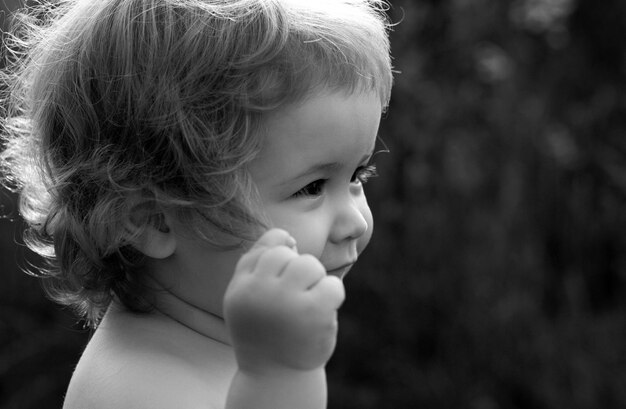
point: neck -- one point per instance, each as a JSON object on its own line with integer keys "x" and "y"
{"x": 202, "y": 321}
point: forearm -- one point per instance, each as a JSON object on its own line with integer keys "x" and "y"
{"x": 281, "y": 389}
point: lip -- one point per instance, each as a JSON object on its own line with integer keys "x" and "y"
{"x": 341, "y": 271}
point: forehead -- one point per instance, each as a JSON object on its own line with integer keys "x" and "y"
{"x": 326, "y": 129}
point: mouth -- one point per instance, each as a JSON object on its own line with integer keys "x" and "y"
{"x": 340, "y": 272}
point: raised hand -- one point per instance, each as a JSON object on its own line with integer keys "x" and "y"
{"x": 281, "y": 307}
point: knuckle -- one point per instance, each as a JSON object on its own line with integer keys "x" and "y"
{"x": 278, "y": 253}
{"x": 312, "y": 263}
{"x": 306, "y": 264}
{"x": 333, "y": 288}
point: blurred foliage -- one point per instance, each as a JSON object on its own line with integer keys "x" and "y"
{"x": 496, "y": 275}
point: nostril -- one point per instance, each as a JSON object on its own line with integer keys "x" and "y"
{"x": 349, "y": 225}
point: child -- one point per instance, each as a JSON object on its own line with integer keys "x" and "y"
{"x": 192, "y": 171}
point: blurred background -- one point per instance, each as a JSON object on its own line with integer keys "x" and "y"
{"x": 496, "y": 275}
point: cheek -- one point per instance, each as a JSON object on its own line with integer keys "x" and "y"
{"x": 309, "y": 232}
{"x": 365, "y": 238}
{"x": 310, "y": 240}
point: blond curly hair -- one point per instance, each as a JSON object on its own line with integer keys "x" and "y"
{"x": 116, "y": 110}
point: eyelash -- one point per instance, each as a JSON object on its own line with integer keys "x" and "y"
{"x": 362, "y": 175}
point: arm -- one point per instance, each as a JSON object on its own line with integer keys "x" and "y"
{"x": 281, "y": 310}
{"x": 278, "y": 390}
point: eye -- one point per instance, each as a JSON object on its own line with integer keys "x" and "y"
{"x": 364, "y": 173}
{"x": 313, "y": 189}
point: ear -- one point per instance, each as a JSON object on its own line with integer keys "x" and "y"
{"x": 156, "y": 240}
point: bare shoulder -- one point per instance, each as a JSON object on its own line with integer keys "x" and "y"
{"x": 147, "y": 362}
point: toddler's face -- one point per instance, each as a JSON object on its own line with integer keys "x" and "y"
{"x": 311, "y": 170}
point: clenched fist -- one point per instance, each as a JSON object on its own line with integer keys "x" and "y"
{"x": 281, "y": 307}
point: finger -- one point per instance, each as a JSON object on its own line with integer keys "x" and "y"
{"x": 275, "y": 237}
{"x": 330, "y": 291}
{"x": 271, "y": 238}
{"x": 273, "y": 261}
{"x": 303, "y": 272}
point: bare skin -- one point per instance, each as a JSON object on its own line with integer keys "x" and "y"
{"x": 252, "y": 327}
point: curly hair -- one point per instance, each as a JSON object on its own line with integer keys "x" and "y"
{"x": 117, "y": 110}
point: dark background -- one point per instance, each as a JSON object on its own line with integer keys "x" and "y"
{"x": 496, "y": 275}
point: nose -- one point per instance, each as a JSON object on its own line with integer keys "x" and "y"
{"x": 350, "y": 221}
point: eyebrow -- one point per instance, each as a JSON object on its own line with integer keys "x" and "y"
{"x": 321, "y": 168}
